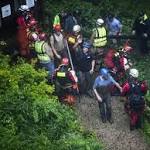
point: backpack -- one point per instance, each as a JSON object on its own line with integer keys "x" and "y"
{"x": 136, "y": 99}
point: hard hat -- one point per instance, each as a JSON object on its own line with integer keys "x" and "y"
{"x": 24, "y": 8}
{"x": 42, "y": 36}
{"x": 32, "y": 22}
{"x": 134, "y": 72}
{"x": 87, "y": 44}
{"x": 34, "y": 37}
{"x": 99, "y": 21}
{"x": 76, "y": 28}
{"x": 57, "y": 28}
{"x": 65, "y": 61}
{"x": 104, "y": 71}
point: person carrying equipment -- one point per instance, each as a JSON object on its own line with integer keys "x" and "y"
{"x": 65, "y": 83}
{"x": 74, "y": 42}
{"x": 134, "y": 90}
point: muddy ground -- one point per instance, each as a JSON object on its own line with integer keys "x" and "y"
{"x": 116, "y": 136}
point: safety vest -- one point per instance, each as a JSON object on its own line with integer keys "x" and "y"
{"x": 56, "y": 21}
{"x": 100, "y": 39}
{"x": 62, "y": 76}
{"x": 41, "y": 53}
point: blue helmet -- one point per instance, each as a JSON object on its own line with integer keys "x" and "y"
{"x": 104, "y": 71}
{"x": 87, "y": 44}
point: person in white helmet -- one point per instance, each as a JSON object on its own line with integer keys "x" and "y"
{"x": 74, "y": 42}
{"x": 99, "y": 40}
{"x": 134, "y": 90}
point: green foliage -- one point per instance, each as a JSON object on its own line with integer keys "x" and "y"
{"x": 30, "y": 115}
{"x": 92, "y": 9}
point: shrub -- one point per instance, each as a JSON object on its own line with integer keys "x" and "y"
{"x": 31, "y": 116}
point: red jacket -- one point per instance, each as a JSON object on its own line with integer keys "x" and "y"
{"x": 126, "y": 88}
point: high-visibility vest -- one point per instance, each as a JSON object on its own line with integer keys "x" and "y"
{"x": 62, "y": 76}
{"x": 41, "y": 53}
{"x": 100, "y": 39}
{"x": 56, "y": 21}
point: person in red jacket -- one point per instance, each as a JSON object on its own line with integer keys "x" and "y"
{"x": 118, "y": 61}
{"x": 65, "y": 82}
{"x": 134, "y": 90}
{"x": 22, "y": 33}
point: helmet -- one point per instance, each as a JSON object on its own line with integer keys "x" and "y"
{"x": 35, "y": 37}
{"x": 99, "y": 21}
{"x": 24, "y": 8}
{"x": 87, "y": 45}
{"x": 65, "y": 61}
{"x": 134, "y": 72}
{"x": 76, "y": 28}
{"x": 42, "y": 36}
{"x": 57, "y": 28}
{"x": 32, "y": 22}
{"x": 104, "y": 71}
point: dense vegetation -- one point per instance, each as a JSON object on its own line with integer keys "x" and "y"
{"x": 30, "y": 115}
{"x": 90, "y": 10}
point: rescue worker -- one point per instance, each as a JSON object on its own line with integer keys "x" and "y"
{"x": 31, "y": 31}
{"x": 102, "y": 91}
{"x": 85, "y": 66}
{"x": 56, "y": 20}
{"x": 66, "y": 82}
{"x": 140, "y": 30}
{"x": 134, "y": 90}
{"x": 44, "y": 54}
{"x": 118, "y": 61}
{"x": 99, "y": 40}
{"x": 114, "y": 27}
{"x": 22, "y": 33}
{"x": 58, "y": 45}
{"x": 98, "y": 37}
{"x": 74, "y": 42}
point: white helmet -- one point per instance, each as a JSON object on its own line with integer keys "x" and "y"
{"x": 24, "y": 8}
{"x": 35, "y": 37}
{"x": 76, "y": 28}
{"x": 99, "y": 21}
{"x": 134, "y": 73}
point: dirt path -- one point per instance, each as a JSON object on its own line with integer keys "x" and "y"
{"x": 116, "y": 136}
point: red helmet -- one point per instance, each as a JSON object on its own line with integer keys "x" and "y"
{"x": 32, "y": 22}
{"x": 57, "y": 28}
{"x": 42, "y": 36}
{"x": 65, "y": 61}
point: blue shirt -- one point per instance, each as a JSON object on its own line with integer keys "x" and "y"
{"x": 114, "y": 25}
{"x": 99, "y": 82}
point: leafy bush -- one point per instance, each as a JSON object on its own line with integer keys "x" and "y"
{"x": 30, "y": 115}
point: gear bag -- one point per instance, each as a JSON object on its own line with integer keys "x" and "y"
{"x": 135, "y": 97}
